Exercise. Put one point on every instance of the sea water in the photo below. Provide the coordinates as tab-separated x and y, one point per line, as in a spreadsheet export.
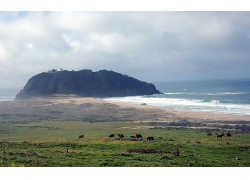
216	96
8	94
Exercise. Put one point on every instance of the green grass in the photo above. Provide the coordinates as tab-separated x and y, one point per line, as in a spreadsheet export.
56	144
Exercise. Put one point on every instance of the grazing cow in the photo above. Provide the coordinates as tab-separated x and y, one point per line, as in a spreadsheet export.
120	136
228	134
81	136
138	136
150	138
209	134
111	135
133	138
176	153
219	135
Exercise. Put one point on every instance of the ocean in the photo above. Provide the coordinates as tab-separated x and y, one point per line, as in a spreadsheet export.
216	96
8	94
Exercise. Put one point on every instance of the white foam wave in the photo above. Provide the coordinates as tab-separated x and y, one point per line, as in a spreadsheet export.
206	93
7	98
188	104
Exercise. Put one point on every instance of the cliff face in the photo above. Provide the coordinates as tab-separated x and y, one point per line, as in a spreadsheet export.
85	83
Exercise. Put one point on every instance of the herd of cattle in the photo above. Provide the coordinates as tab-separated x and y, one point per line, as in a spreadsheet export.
136	137
121	136
220	135
151	138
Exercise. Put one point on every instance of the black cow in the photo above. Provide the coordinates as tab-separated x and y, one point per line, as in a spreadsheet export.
111	135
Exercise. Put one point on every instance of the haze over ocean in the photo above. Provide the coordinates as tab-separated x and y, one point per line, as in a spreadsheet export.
8	94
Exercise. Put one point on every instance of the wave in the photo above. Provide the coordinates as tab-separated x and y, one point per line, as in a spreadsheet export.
215	106
205	93
7	98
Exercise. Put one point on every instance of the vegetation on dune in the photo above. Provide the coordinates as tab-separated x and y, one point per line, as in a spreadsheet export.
56	144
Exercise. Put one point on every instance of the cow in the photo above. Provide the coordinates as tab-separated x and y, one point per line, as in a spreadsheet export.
81	136
133	138
150	138
111	135
209	134
160	138
120	136
228	134
219	135
138	136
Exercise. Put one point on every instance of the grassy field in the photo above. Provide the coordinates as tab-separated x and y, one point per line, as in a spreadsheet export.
55	143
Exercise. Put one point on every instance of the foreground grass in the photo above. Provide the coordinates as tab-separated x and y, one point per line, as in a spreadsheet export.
56	143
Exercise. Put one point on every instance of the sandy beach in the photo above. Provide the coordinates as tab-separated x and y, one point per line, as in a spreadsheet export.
71	107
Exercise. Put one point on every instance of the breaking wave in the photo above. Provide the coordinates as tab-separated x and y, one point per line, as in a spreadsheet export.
203	105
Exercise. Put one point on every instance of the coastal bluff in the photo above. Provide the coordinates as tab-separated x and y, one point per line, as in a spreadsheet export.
85	83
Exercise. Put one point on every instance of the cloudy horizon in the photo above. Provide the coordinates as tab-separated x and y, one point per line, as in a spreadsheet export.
149	46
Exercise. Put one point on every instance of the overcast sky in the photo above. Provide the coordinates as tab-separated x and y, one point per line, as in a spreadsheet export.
149	46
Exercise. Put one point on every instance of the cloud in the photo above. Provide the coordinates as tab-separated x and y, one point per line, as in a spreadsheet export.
150	46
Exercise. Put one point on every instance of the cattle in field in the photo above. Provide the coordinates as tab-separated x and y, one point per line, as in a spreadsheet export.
120	136
81	136
176	153
150	138
219	135
228	134
133	138
138	136
111	135
160	138
209	134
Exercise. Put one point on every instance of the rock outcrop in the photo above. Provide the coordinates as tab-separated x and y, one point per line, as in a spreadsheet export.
85	83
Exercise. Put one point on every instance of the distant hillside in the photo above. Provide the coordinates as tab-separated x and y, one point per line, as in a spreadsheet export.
85	83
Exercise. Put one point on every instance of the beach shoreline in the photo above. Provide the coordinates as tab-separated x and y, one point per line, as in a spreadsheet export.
178	112
71	107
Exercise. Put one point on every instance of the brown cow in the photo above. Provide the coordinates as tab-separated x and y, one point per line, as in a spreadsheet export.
228	134
120	136
138	136
81	136
209	134
150	138
219	135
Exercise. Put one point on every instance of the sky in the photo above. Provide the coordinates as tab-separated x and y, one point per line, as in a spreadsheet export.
150	46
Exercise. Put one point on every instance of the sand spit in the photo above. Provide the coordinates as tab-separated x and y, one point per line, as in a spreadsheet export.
71	107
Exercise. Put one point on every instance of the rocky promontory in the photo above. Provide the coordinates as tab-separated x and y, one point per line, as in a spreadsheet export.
85	83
